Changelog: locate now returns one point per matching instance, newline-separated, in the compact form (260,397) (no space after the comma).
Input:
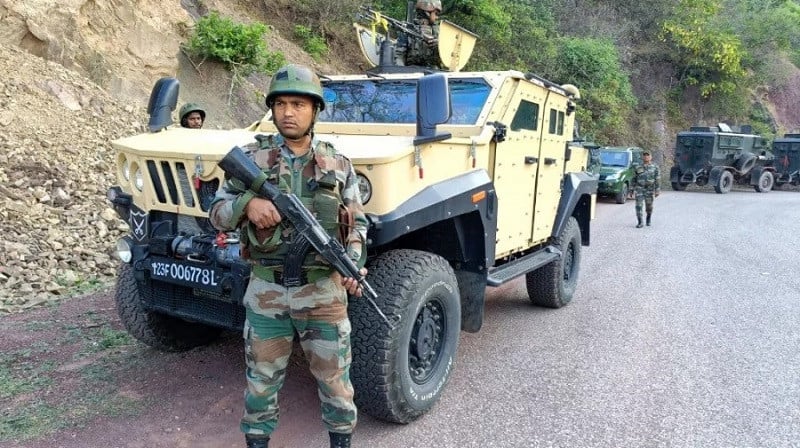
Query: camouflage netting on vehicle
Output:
(55,165)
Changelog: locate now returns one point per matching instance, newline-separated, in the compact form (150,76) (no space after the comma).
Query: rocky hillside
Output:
(55,165)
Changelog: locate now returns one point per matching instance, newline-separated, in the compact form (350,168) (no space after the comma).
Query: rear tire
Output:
(162,332)
(765,182)
(553,285)
(400,373)
(725,182)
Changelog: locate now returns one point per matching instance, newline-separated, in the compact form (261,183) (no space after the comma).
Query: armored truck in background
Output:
(720,156)
(786,153)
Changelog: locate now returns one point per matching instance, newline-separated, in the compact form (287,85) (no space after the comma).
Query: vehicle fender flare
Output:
(576,200)
(468,200)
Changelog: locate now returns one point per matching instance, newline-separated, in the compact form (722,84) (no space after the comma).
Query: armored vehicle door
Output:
(528,167)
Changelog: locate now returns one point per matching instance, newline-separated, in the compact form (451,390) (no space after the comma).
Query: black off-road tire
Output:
(399,374)
(725,182)
(622,196)
(553,285)
(162,332)
(765,182)
(679,186)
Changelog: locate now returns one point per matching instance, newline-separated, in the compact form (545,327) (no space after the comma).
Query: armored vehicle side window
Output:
(394,101)
(527,117)
(556,122)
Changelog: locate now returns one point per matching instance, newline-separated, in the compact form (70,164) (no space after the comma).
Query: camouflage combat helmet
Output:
(295,79)
(429,5)
(188,108)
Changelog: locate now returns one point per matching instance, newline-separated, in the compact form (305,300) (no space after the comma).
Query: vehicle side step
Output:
(520,266)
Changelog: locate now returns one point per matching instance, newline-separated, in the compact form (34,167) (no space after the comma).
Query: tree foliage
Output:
(707,55)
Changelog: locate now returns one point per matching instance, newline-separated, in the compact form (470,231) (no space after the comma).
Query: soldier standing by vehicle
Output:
(192,116)
(425,51)
(647,186)
(292,289)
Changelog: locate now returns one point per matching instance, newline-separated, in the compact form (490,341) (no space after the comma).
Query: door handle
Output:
(530,160)
(549,161)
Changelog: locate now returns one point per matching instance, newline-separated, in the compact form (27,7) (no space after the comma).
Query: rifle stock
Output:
(237,165)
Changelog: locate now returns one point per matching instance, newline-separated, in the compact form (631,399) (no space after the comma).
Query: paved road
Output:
(683,334)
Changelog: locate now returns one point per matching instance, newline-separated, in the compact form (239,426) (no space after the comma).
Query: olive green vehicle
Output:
(468,179)
(616,171)
(722,156)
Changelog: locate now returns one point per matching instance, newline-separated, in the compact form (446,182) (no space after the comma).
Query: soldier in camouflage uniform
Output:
(646,185)
(292,288)
(425,51)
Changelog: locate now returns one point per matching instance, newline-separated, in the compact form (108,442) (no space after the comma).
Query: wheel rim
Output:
(427,338)
(766,182)
(569,260)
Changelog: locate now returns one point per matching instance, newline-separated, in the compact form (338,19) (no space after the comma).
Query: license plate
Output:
(187,274)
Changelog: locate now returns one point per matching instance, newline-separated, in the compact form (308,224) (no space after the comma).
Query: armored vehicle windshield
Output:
(394,100)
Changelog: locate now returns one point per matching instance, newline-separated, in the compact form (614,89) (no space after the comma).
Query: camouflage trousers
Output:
(317,311)
(644,199)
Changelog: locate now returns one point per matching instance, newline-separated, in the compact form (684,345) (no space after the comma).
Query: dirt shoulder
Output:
(71,377)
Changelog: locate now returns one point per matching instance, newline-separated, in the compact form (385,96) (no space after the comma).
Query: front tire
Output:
(162,332)
(622,196)
(553,285)
(399,374)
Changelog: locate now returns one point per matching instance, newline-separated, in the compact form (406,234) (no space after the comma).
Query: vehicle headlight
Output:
(125,250)
(138,180)
(126,170)
(364,188)
(614,176)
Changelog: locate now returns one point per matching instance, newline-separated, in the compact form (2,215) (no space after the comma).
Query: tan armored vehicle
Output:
(469,180)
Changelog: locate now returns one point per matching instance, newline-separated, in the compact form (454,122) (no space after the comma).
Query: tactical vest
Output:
(645,176)
(318,188)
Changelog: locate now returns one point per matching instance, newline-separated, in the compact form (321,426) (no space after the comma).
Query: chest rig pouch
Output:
(319,190)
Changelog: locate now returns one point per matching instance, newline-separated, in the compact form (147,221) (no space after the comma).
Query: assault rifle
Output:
(375,18)
(239,166)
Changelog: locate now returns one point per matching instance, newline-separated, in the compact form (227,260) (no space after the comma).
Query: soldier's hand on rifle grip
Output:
(351,284)
(262,213)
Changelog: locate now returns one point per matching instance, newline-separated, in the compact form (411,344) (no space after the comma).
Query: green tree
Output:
(705,53)
(607,99)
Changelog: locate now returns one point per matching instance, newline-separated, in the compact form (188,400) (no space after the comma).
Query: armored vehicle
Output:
(786,153)
(721,156)
(469,180)
(616,171)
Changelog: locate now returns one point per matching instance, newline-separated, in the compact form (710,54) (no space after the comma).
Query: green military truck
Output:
(721,156)
(616,171)
(469,180)
(786,153)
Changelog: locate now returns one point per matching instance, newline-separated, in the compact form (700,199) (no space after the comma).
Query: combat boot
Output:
(256,441)
(339,440)
(639,226)
(648,219)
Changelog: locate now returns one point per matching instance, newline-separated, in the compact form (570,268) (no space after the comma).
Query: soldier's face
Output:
(293,115)
(646,158)
(194,120)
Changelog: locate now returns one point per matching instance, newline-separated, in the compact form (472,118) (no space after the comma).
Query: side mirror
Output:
(433,107)
(163,99)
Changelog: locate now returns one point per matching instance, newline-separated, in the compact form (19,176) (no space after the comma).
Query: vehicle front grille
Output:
(173,185)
